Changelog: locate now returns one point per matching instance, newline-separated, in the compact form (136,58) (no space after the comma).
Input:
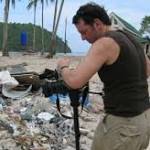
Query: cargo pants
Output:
(122,133)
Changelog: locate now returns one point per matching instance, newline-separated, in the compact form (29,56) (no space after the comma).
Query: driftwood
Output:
(26,79)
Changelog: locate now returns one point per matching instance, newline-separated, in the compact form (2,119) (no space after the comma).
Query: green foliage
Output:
(145,25)
(14,42)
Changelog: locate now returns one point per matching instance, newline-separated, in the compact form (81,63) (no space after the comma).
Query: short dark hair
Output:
(89,12)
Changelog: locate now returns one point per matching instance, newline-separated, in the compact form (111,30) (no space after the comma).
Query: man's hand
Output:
(62,63)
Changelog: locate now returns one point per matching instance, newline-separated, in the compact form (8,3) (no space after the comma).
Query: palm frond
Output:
(32,3)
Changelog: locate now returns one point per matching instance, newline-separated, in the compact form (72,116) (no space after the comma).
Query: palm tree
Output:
(55,14)
(34,4)
(53,41)
(65,37)
(5,26)
(55,27)
(42,2)
(145,25)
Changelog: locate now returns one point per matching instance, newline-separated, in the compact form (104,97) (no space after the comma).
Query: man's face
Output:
(88,32)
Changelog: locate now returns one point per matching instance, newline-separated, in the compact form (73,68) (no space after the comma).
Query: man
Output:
(122,66)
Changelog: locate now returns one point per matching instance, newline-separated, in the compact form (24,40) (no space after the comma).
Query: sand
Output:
(38,63)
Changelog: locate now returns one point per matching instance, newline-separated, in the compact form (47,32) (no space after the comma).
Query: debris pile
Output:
(30,121)
(34,123)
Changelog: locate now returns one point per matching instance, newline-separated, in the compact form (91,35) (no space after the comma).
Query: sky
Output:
(133,11)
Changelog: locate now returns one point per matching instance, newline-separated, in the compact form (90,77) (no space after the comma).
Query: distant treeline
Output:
(14,38)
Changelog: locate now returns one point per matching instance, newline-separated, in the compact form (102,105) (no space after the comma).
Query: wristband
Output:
(61,68)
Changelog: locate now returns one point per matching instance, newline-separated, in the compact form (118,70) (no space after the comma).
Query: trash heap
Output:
(33,123)
(29,121)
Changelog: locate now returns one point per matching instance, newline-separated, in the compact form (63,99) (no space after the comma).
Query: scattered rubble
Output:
(29,121)
(20,127)
(27,124)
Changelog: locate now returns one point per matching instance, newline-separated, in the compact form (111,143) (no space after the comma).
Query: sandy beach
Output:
(38,63)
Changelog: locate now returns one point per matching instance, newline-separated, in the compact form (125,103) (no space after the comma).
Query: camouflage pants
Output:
(123,133)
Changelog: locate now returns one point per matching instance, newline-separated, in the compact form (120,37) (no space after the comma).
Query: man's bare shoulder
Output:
(106,42)
(108,47)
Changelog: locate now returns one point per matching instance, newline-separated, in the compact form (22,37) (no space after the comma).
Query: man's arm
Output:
(103,51)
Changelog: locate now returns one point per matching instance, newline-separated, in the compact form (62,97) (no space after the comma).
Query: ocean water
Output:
(77,54)
(70,54)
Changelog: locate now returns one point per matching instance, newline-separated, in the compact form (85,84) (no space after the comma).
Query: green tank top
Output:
(125,81)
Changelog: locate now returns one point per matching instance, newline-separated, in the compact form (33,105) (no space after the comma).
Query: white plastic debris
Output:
(1,107)
(8,83)
(45,116)
(8,92)
(22,110)
(6,79)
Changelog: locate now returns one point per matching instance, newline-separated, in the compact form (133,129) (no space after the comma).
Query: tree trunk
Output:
(34,28)
(42,52)
(59,14)
(52,41)
(53,38)
(55,27)
(65,39)
(57,23)
(5,29)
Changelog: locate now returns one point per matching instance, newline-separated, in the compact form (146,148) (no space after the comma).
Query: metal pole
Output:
(74,97)
(76,128)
